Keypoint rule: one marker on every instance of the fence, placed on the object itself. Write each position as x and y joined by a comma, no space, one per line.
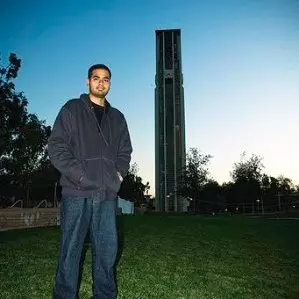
19,217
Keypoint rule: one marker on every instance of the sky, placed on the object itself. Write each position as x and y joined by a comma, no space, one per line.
240,62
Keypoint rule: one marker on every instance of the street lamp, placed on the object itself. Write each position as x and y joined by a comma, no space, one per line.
258,205
28,190
192,203
55,195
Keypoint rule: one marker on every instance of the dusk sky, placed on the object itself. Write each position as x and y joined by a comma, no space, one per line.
240,66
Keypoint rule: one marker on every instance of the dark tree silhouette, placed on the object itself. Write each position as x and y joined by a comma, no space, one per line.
247,177
23,136
132,188
195,176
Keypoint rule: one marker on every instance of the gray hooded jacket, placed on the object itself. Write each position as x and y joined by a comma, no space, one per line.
88,155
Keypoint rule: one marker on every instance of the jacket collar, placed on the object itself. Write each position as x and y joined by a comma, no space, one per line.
86,99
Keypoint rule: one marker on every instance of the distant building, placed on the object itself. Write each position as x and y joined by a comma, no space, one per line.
170,145
126,206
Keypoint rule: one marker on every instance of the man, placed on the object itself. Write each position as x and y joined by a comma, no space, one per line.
90,146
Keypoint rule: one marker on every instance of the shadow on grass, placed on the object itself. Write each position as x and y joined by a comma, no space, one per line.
87,245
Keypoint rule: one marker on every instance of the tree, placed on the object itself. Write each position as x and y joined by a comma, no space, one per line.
247,177
195,175
250,168
13,105
285,184
132,187
212,196
231,200
274,190
23,137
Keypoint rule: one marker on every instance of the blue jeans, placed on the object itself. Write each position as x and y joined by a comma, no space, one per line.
78,217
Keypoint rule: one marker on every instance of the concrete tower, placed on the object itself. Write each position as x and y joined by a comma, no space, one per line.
170,145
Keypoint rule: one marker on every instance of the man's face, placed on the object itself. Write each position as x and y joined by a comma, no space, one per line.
99,83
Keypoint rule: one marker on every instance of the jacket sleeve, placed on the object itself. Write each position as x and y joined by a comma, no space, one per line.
59,148
124,151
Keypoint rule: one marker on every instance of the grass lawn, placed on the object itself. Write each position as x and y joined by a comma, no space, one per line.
171,257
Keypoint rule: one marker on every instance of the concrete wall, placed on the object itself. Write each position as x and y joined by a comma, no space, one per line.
31,217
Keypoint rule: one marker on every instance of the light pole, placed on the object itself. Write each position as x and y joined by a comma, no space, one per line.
54,195
258,205
28,192
279,204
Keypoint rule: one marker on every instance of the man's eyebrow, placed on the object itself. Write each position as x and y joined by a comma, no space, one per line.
96,76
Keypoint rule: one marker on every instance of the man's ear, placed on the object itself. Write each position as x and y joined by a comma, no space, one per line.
87,82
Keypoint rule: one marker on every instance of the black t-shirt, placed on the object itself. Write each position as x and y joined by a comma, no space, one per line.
99,111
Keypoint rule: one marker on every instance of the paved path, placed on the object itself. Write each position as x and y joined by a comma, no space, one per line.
287,218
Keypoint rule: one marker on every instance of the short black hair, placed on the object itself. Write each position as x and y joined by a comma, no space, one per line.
97,67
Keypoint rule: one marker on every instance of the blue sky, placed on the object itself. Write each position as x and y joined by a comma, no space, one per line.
240,66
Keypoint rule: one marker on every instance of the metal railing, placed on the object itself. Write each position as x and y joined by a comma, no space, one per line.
18,201
40,203
3,221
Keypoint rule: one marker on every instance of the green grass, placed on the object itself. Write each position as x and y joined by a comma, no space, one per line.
171,257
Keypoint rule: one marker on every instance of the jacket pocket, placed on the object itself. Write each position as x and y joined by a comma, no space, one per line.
110,177
92,174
